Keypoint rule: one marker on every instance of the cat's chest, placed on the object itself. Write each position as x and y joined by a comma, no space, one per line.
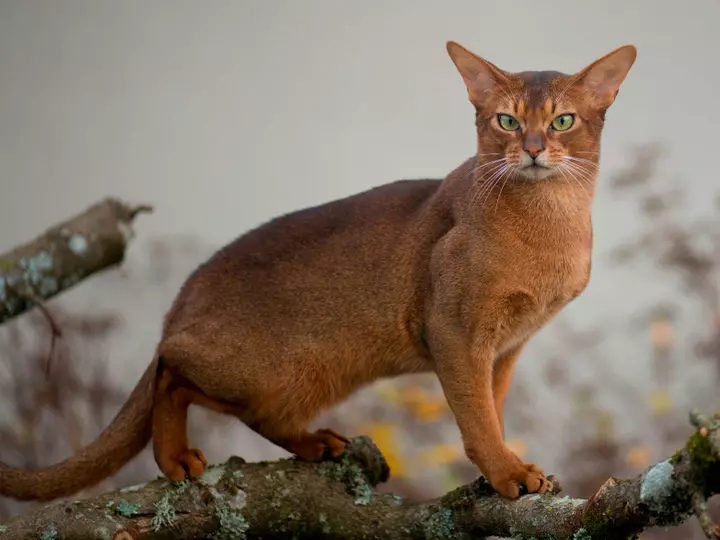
540,291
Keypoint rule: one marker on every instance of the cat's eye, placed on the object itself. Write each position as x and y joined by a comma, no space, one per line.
563,122
507,122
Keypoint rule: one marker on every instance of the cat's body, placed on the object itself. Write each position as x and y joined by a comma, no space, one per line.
452,276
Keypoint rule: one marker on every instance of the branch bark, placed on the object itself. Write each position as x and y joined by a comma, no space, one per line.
294,499
64,255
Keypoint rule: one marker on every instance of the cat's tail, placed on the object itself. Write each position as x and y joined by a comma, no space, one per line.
122,440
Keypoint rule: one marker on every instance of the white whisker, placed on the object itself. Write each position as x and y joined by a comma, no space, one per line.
479,185
487,185
570,172
507,177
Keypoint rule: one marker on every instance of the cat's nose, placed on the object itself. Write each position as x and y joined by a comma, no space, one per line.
534,150
533,145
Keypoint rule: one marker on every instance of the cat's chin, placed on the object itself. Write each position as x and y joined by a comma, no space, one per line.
536,172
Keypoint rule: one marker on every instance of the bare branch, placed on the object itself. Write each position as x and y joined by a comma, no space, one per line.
64,255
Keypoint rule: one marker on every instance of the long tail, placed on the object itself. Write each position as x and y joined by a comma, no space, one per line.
122,440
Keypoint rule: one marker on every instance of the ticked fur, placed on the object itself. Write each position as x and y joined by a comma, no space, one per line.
451,276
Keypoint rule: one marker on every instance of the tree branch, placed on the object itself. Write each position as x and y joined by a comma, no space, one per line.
295,499
64,255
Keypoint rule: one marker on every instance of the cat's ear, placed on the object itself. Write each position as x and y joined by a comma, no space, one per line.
604,76
480,76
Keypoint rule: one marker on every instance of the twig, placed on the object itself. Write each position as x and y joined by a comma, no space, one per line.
707,524
55,332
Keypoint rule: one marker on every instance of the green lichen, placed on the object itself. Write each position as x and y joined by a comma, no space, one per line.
127,509
581,534
78,245
656,486
164,508
164,512
351,475
6,265
212,476
232,525
37,273
702,456
439,524
102,533
3,528
324,522
668,503
49,534
363,494
598,522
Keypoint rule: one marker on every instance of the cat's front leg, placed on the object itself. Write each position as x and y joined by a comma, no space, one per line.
466,375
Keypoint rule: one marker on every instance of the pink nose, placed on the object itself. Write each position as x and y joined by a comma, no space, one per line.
534,150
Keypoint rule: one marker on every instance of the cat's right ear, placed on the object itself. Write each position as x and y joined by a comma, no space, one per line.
480,76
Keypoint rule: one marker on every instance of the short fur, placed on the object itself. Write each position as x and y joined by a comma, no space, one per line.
451,276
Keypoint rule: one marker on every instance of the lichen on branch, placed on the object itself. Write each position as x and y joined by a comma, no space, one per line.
336,499
65,254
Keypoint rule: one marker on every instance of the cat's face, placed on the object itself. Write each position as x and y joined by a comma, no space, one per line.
541,124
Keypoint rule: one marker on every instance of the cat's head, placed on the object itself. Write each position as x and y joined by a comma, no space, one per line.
540,124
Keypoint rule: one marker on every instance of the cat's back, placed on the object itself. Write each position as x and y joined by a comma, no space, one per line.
348,246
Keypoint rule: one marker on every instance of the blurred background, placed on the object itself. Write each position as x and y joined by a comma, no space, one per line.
224,114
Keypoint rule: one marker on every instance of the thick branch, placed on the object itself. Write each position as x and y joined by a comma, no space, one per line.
295,499
64,255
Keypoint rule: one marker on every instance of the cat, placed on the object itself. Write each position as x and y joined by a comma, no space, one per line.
452,276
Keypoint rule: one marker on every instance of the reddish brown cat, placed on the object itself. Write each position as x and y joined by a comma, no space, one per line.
453,276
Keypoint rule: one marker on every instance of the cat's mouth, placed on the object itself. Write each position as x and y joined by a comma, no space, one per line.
536,171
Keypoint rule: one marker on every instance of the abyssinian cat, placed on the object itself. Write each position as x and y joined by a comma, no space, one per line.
452,276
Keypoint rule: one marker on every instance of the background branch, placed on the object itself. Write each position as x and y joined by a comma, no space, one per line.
65,254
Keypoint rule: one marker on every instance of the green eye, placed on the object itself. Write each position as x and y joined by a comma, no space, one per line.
507,122
563,122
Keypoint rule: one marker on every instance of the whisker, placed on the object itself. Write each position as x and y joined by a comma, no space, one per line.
578,170
561,170
493,182
574,177
484,183
583,160
591,173
507,177
488,185
479,184
490,163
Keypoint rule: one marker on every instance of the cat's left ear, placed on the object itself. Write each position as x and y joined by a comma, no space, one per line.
604,76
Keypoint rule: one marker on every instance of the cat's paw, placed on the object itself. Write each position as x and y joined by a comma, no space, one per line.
189,463
508,481
323,444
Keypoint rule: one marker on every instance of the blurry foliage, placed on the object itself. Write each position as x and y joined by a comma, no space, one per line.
55,399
